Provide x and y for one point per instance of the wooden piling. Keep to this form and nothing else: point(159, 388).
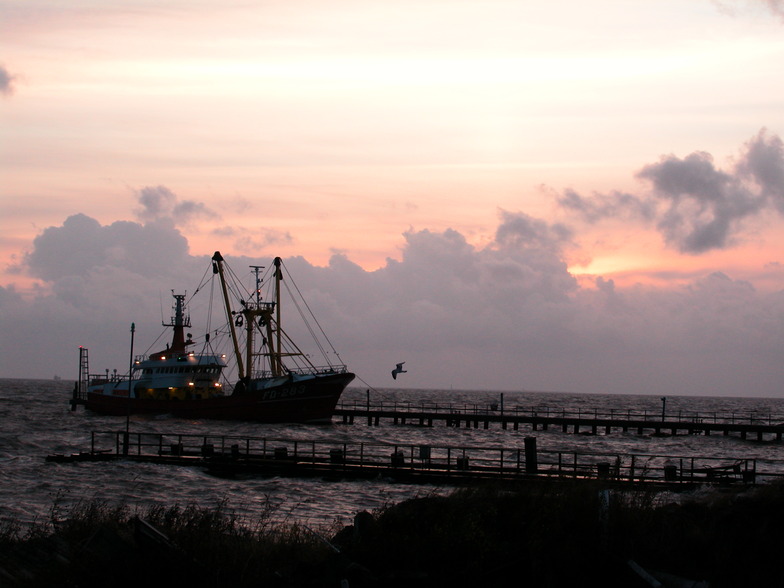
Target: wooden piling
point(531, 459)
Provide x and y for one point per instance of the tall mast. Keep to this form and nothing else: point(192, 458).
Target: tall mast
point(278, 356)
point(251, 316)
point(179, 322)
point(250, 325)
point(217, 267)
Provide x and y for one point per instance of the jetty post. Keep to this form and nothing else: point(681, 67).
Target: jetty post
point(531, 461)
point(126, 437)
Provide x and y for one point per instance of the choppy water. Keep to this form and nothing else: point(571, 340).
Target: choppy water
point(36, 421)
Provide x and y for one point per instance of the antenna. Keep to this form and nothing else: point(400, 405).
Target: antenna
point(256, 269)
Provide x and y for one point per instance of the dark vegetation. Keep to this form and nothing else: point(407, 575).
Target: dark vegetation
point(549, 534)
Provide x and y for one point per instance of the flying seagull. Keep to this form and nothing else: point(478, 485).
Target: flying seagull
point(398, 370)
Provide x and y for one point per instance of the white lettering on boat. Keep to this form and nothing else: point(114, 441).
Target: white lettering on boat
point(283, 392)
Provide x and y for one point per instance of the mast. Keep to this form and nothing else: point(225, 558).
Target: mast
point(256, 269)
point(250, 324)
point(178, 322)
point(277, 357)
point(264, 311)
point(262, 315)
point(217, 267)
point(250, 317)
point(255, 314)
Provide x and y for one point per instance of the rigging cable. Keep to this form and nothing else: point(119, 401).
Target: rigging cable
point(315, 320)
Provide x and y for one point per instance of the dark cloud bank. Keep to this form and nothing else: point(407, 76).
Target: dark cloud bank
point(508, 316)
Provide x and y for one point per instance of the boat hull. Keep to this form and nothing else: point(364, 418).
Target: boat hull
point(305, 401)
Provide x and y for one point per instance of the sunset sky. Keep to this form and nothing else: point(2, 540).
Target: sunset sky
point(508, 195)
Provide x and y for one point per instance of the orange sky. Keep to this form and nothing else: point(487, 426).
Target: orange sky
point(345, 125)
point(309, 128)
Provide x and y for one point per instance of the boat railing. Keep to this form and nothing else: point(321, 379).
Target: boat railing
point(204, 359)
point(306, 371)
point(599, 414)
point(473, 460)
point(106, 378)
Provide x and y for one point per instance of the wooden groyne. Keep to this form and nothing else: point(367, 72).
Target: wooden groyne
point(429, 464)
point(760, 427)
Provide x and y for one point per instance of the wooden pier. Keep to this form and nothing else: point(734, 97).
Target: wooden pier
point(427, 464)
point(754, 426)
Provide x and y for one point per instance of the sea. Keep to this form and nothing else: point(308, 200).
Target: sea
point(36, 421)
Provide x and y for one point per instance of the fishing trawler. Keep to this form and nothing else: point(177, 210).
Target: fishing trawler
point(275, 381)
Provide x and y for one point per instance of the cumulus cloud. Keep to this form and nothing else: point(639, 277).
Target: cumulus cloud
point(159, 202)
point(763, 164)
point(505, 316)
point(82, 246)
point(248, 240)
point(519, 230)
point(6, 81)
point(696, 206)
point(704, 207)
point(614, 205)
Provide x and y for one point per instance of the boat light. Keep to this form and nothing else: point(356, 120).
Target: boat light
point(190, 383)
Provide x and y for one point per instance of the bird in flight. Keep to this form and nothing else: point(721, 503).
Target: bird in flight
point(398, 370)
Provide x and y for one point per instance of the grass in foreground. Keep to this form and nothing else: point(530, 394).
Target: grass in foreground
point(536, 535)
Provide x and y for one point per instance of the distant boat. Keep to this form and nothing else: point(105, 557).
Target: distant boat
point(275, 382)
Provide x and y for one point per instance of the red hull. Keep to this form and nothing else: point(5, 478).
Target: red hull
point(304, 401)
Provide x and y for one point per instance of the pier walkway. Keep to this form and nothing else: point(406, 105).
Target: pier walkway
point(761, 427)
point(428, 464)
